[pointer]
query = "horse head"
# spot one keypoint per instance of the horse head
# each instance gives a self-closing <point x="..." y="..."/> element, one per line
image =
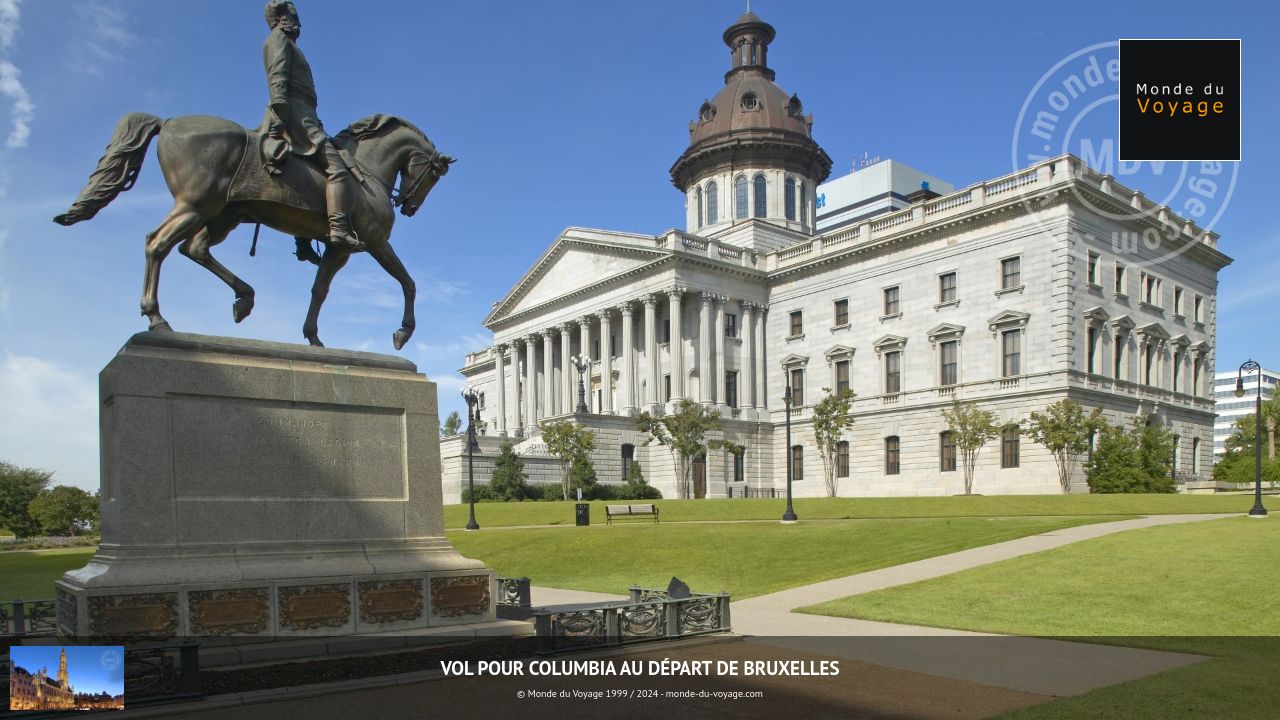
<point x="421" y="172"/>
<point x="399" y="147"/>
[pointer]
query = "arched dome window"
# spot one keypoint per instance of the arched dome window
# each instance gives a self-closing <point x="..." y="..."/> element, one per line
<point x="698" y="195"/>
<point x="713" y="203"/>
<point x="761" y="204"/>
<point x="740" y="197"/>
<point x="789" y="198"/>
<point x="804" y="204"/>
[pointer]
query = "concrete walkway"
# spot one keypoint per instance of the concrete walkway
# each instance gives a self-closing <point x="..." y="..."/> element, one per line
<point x="1034" y="665"/>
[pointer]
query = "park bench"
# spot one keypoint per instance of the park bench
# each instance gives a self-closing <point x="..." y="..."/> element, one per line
<point x="612" y="511"/>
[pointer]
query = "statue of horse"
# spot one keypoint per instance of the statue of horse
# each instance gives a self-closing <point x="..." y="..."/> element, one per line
<point x="209" y="165"/>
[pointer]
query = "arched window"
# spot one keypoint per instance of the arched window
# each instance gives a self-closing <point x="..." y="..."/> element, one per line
<point x="713" y="203"/>
<point x="842" y="459"/>
<point x="892" y="456"/>
<point x="804" y="204"/>
<point x="628" y="456"/>
<point x="761" y="206"/>
<point x="740" y="198"/>
<point x="697" y="193"/>
<point x="789" y="198"/>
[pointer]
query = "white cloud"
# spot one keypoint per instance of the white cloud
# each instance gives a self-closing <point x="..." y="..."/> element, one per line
<point x="105" y="39"/>
<point x="22" y="111"/>
<point x="9" y="14"/>
<point x="49" y="419"/>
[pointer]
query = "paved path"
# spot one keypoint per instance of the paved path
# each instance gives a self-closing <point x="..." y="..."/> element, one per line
<point x="1033" y="665"/>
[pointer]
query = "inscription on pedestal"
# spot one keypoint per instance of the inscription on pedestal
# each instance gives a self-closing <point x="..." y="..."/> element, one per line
<point x="256" y="450"/>
<point x="304" y="607"/>
<point x="228" y="612"/>
<point x="390" y="601"/>
<point x="153" y="614"/>
<point x="459" y="596"/>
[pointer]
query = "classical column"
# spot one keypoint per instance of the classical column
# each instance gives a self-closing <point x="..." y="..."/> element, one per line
<point x="530" y="384"/>
<point x="676" y="346"/>
<point x="606" y="361"/>
<point x="704" y="350"/>
<point x="747" y="361"/>
<point x="758" y="377"/>
<point x="651" y="352"/>
<point x="566" y="375"/>
<point x="499" y="368"/>
<point x="628" y="380"/>
<point x="548" y="388"/>
<point x="721" y="400"/>
<point x="584" y="349"/>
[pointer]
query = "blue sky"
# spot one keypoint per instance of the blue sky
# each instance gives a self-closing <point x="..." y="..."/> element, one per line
<point x="86" y="669"/>
<point x="561" y="113"/>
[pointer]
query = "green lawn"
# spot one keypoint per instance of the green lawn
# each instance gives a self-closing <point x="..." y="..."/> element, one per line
<point x="30" y="574"/>
<point x="561" y="513"/>
<point x="746" y="559"/>
<point x="1203" y="588"/>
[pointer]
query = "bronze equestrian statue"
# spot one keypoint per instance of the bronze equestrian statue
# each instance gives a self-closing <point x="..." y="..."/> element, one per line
<point x="221" y="175"/>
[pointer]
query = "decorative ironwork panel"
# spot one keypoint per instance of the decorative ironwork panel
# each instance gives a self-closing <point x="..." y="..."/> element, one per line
<point x="390" y="601"/>
<point x="699" y="614"/>
<point x="149" y="673"/>
<point x="641" y="622"/>
<point x="67" y="616"/>
<point x="513" y="591"/>
<point x="579" y="628"/>
<point x="42" y="617"/>
<point x="649" y="595"/>
<point x="229" y="612"/>
<point x="306" y="607"/>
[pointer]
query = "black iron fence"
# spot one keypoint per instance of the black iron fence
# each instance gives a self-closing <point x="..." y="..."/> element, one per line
<point x="512" y="597"/>
<point x="28" y="618"/>
<point x="750" y="492"/>
<point x="650" y="615"/>
<point x="162" y="673"/>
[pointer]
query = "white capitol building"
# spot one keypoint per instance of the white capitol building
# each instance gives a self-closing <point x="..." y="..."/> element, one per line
<point x="904" y="289"/>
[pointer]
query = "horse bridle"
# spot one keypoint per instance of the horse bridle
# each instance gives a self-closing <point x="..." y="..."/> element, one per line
<point x="402" y="195"/>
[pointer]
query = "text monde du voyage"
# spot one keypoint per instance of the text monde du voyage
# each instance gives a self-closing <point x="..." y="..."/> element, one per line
<point x="1180" y="99"/>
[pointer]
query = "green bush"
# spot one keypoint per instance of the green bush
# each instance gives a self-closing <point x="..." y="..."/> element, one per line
<point x="508" y="480"/>
<point x="543" y="491"/>
<point x="1137" y="460"/>
<point x="484" y="493"/>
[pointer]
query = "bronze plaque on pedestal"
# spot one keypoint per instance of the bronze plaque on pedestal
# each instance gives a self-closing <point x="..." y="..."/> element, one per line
<point x="227" y="612"/>
<point x="303" y="607"/>
<point x="155" y="614"/>
<point x="458" y="596"/>
<point x="390" y="601"/>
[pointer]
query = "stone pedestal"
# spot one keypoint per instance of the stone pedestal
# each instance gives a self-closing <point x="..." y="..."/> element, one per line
<point x="258" y="489"/>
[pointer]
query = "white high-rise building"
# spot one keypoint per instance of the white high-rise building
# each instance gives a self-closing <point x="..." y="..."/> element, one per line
<point x="908" y="291"/>
<point x="1228" y="408"/>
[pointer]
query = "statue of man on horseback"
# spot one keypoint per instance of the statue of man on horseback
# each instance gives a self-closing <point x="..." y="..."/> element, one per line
<point x="292" y="123"/>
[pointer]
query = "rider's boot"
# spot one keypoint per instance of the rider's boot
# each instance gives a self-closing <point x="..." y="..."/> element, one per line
<point x="335" y="194"/>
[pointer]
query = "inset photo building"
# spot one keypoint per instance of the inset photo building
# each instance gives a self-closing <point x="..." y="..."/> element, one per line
<point x="887" y="281"/>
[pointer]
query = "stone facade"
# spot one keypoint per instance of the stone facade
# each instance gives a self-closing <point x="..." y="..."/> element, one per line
<point x="1014" y="293"/>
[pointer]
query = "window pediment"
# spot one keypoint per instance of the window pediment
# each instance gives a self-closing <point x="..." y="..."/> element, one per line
<point x="1008" y="320"/>
<point x="1096" y="315"/>
<point x="1153" y="331"/>
<point x="839" y="352"/>
<point x="794" y="360"/>
<point x="887" y="343"/>
<point x="945" y="331"/>
<point x="1180" y="341"/>
<point x="1122" y="323"/>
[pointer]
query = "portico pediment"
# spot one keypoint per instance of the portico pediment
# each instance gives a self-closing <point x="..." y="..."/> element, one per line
<point x="574" y="264"/>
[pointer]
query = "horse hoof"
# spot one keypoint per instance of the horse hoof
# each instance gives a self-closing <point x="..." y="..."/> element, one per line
<point x="315" y="342"/>
<point x="400" y="337"/>
<point x="241" y="308"/>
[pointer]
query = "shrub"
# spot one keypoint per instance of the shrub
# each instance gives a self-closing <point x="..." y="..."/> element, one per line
<point x="508" y="480"/>
<point x="1137" y="460"/>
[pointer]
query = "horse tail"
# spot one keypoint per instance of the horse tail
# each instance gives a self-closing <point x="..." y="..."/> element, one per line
<point x="117" y="169"/>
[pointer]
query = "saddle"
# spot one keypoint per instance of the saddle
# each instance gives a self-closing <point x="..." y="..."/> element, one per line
<point x="297" y="184"/>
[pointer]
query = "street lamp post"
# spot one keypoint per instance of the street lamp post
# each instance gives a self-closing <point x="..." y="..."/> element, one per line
<point x="470" y="396"/>
<point x="1258" y="510"/>
<point x="582" y="364"/>
<point x="790" y="515"/>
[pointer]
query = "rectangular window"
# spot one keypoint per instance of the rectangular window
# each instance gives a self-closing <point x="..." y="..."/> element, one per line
<point x="797" y="323"/>
<point x="666" y="388"/>
<point x="666" y="330"/>
<point x="947" y="452"/>
<point x="1010" y="273"/>
<point x="1120" y="280"/>
<point x="797" y="387"/>
<point x="730" y="325"/>
<point x="1196" y="309"/>
<point x="739" y="466"/>
<point x="1009" y="448"/>
<point x="1148" y="363"/>
<point x="731" y="388"/>
<point x="891" y="301"/>
<point x="1093" y="268"/>
<point x="1091" y="351"/>
<point x="891" y="455"/>
<point x="948" y="355"/>
<point x="595" y="349"/>
<point x="797" y="462"/>
<point x="842" y="375"/>
<point x="1011" y="342"/>
<point x="1177" y="371"/>
<point x="1118" y="365"/>
<point x="842" y="459"/>
<point x="1195" y="376"/>
<point x="893" y="372"/>
<point x="1149" y="294"/>
<point x="947" y="287"/>
<point x="842" y="312"/>
<point x="1177" y="301"/>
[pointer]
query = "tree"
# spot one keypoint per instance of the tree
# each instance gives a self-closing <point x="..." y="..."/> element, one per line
<point x="18" y="487"/>
<point x="831" y="418"/>
<point x="452" y="425"/>
<point x="583" y="476"/>
<point x="1064" y="430"/>
<point x="684" y="434"/>
<point x="508" y="479"/>
<point x="1133" y="460"/>
<point x="64" y="510"/>
<point x="636" y="488"/>
<point x="569" y="442"/>
<point x="970" y="428"/>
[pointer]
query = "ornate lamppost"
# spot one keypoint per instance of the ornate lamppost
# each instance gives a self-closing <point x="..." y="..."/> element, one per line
<point x="790" y="515"/>
<point x="582" y="364"/>
<point x="1258" y="510"/>
<point x="470" y="396"/>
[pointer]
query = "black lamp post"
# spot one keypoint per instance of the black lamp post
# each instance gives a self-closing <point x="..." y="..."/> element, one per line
<point x="472" y="399"/>
<point x="1249" y="365"/>
<point x="790" y="515"/>
<point x="582" y="364"/>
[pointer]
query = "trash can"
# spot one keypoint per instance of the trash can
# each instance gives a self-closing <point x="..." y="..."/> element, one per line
<point x="582" y="514"/>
